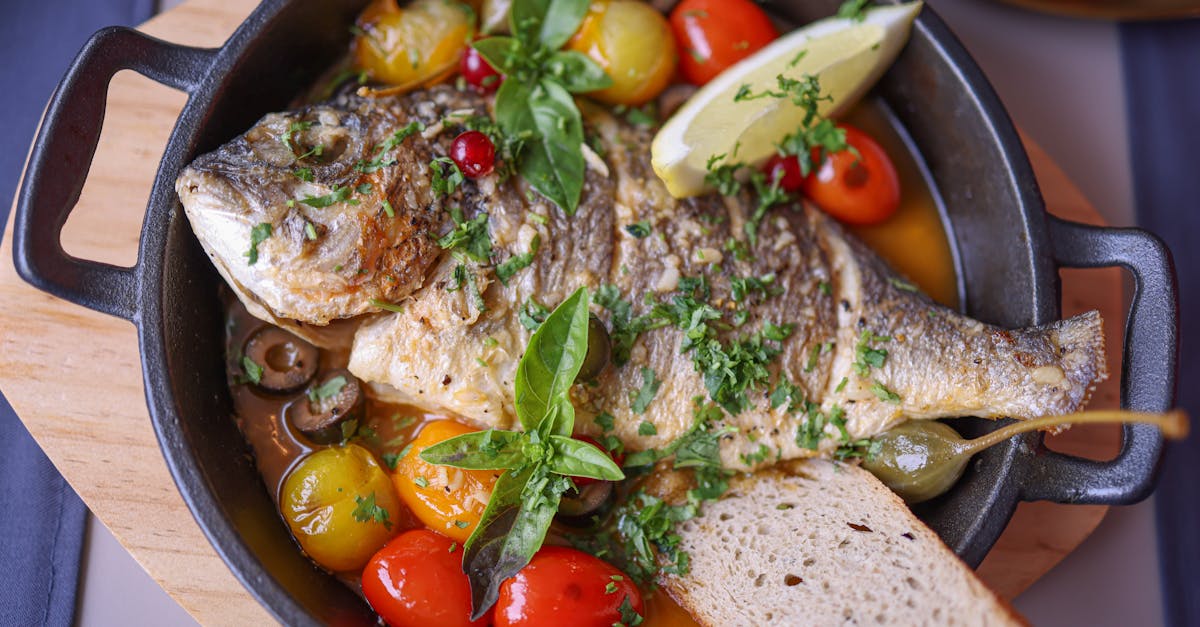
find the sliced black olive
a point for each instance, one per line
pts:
(598, 351)
(578, 509)
(328, 406)
(287, 362)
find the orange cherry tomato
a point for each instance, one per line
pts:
(560, 582)
(634, 45)
(447, 500)
(862, 189)
(417, 580)
(715, 34)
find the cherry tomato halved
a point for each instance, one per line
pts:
(616, 457)
(560, 582)
(715, 34)
(856, 189)
(417, 580)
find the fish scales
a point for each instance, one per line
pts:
(446, 353)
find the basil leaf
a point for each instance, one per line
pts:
(500, 52)
(548, 22)
(552, 159)
(576, 72)
(482, 450)
(551, 362)
(510, 531)
(560, 419)
(576, 458)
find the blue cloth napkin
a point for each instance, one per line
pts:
(41, 518)
(1162, 81)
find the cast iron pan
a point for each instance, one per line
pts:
(1008, 249)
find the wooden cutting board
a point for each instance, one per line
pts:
(74, 376)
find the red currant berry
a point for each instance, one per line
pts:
(479, 73)
(474, 154)
(785, 171)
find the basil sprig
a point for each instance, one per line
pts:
(537, 462)
(534, 106)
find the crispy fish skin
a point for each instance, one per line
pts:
(448, 353)
(320, 264)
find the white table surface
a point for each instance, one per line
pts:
(1061, 81)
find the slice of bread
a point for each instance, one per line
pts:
(824, 544)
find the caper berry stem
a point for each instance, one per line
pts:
(1173, 424)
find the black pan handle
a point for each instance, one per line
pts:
(1147, 367)
(62, 155)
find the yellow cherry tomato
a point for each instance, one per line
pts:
(414, 46)
(341, 507)
(447, 500)
(635, 46)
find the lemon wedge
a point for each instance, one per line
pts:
(848, 56)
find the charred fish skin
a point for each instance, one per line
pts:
(800, 330)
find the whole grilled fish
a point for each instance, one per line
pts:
(803, 335)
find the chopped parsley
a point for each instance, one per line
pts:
(854, 9)
(757, 457)
(625, 328)
(254, 372)
(339, 194)
(629, 616)
(258, 235)
(446, 176)
(304, 174)
(532, 314)
(516, 263)
(647, 428)
(786, 393)
(884, 393)
(294, 129)
(391, 460)
(605, 422)
(462, 524)
(327, 390)
(902, 285)
(386, 306)
(741, 287)
(639, 230)
(641, 399)
(866, 357)
(369, 511)
(841, 385)
(421, 482)
(310, 230)
(380, 160)
(468, 236)
(812, 358)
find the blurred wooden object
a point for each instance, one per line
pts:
(74, 376)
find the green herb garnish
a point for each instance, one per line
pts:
(641, 400)
(258, 235)
(368, 511)
(468, 236)
(537, 462)
(534, 104)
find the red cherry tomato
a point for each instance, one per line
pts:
(564, 586)
(479, 73)
(616, 457)
(474, 154)
(715, 34)
(416, 580)
(785, 170)
(863, 189)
